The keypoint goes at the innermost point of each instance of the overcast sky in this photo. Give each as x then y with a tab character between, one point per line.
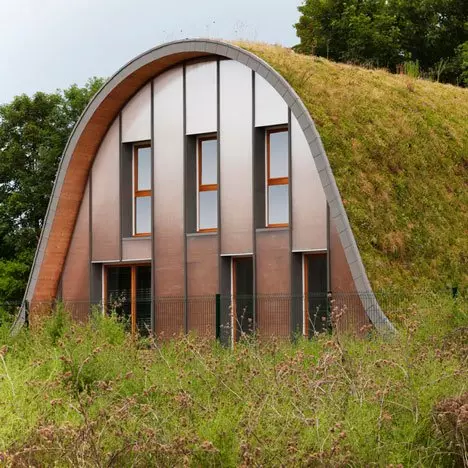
50	44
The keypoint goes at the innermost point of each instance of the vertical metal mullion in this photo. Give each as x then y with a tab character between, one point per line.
254	224
234	300
153	239
328	249
120	186
290	222
90	234
104	287
218	118
328	262
305	282
185	195
133	297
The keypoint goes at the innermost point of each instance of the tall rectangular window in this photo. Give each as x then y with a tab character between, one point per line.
315	293
207	193
242	296
277	177
128	293
142	190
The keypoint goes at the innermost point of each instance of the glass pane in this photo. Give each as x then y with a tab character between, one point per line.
144	169
278	209
143	215
244	295
143	299
317	292
278	154
208	210
209	164
119	291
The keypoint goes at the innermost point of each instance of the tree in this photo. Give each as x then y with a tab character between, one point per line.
352	31
386	33
33	134
462	57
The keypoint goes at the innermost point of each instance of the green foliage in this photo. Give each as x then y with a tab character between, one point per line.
33	134
55	326
462	54
6	320
360	32
412	69
13	277
387	33
399	155
75	99
88	395
459	312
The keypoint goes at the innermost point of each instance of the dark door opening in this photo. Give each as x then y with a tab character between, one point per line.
242	284
315	293
128	293
119	291
143	299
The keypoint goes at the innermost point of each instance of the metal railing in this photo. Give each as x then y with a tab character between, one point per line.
231	318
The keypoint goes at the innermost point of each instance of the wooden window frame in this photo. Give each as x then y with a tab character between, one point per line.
133	288
269	181
138	193
204	187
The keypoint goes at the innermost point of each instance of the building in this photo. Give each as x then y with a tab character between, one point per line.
196	171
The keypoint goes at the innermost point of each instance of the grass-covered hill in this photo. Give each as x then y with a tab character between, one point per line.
398	147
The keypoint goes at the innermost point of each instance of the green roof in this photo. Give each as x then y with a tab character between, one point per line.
398	147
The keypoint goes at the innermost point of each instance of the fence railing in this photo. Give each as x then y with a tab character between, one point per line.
230	318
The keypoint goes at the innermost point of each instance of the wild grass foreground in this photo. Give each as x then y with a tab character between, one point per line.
91	395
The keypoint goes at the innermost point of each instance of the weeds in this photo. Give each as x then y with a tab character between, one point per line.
411	69
92	395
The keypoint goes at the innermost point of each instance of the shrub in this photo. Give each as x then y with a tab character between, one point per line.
54	326
451	421
411	68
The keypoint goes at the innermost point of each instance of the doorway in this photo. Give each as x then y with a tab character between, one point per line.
242	296
127	292
315	294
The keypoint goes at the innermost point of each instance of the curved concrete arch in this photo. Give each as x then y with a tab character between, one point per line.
105	106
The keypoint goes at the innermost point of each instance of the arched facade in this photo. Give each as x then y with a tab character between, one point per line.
195	171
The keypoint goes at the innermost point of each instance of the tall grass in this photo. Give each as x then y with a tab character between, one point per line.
411	68
91	395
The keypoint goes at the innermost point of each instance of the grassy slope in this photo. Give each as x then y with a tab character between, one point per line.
91	396
399	152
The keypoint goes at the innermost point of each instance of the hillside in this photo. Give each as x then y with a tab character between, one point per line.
399	150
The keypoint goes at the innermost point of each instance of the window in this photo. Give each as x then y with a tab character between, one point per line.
315	294
277	177
128	293
142	190
242	296
207	193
